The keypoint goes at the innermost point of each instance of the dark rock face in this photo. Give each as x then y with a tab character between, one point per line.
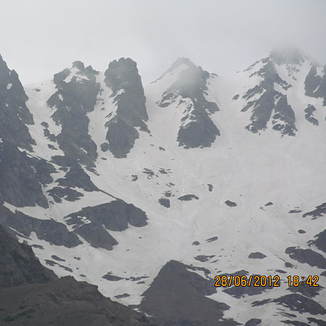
320	241
318	322
317	212
212	239
164	202
53	263
253	322
57	258
72	101
31	295
307	256
123	295
49	230
18	265
14	114
307	291
123	78
196	129
188	197
294	322
294	211
315	84
280	271
204	258
240	292
309	114
114	216
261	302
96	236
64	302
178	297
22	177
150	173
256	255
230	203
110	277
77	177
297	302
59	193
271	105
288	265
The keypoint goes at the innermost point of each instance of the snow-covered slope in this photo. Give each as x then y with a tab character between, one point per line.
170	184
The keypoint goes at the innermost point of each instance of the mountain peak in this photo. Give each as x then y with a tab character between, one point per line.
287	56
13	110
124	60
181	62
123	78
123	73
78	65
179	65
81	68
184	61
2	62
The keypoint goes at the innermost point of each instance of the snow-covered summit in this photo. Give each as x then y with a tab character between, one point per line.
145	189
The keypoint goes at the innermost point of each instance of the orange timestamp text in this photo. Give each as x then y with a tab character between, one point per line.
265	280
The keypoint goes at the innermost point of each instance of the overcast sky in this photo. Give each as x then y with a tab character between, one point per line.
41	37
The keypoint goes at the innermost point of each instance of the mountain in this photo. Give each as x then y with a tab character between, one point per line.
19	264
277	79
150	191
15	116
33	295
188	90
128	95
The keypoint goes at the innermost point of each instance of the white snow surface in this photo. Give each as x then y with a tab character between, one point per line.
249	169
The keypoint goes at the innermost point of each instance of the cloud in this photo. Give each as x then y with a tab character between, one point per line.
42	37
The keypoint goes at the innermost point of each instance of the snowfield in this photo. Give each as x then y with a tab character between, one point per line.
272	180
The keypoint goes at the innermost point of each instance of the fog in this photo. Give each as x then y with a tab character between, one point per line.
41	37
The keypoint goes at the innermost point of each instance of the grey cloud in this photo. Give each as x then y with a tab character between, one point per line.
41	37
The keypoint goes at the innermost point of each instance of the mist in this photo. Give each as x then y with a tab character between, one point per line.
42	37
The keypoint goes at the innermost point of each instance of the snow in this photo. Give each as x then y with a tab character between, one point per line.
12	208
246	168
170	77
249	169
99	116
37	104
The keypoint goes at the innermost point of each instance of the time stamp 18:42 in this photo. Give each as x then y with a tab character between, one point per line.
265	280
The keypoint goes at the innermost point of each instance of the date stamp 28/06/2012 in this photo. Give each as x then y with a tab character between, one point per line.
265	280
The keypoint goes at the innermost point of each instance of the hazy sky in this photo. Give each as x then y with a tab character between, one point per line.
41	37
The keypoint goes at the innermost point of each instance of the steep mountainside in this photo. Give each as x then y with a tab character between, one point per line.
150	191
32	295
276	79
